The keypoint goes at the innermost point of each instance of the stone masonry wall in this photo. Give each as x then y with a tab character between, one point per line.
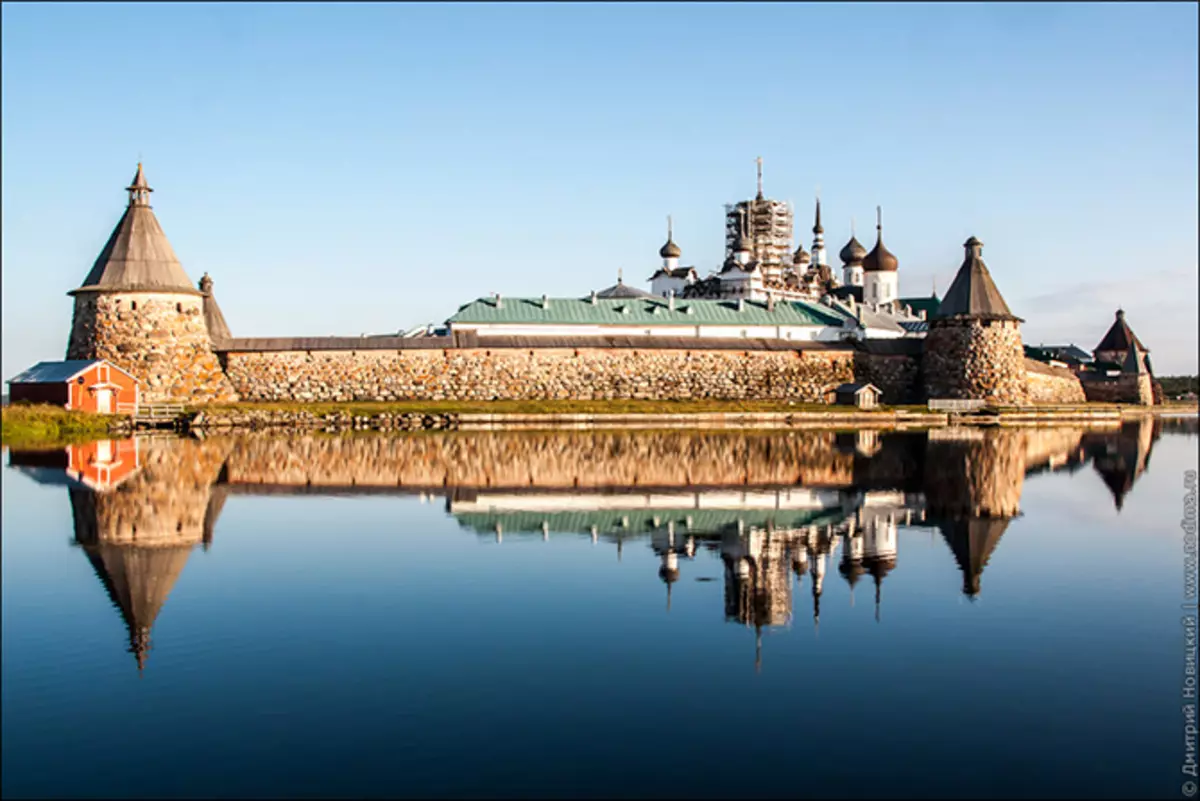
544	373
975	359
1052	384
899	377
159	338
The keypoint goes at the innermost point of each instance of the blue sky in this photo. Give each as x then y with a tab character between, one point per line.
347	169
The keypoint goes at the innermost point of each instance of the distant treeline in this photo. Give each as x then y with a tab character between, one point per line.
1175	385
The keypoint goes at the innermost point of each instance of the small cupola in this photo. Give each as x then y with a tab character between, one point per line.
670	250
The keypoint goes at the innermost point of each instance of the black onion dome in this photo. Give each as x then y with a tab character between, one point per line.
853	252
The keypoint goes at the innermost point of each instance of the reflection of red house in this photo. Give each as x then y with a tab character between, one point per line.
103	464
88	385
98	466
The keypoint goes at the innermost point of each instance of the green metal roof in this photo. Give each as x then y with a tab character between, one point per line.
704	521
643	311
929	305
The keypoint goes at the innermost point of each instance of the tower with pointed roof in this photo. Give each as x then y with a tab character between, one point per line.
818	246
138	309
1117	342
973	350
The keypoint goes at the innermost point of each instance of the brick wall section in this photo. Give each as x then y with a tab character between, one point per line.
1052	384
518	374
1125	388
163	342
975	359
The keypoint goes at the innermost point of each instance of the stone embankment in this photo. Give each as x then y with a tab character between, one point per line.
257	419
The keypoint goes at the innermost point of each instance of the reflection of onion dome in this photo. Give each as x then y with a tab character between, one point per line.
800	256
853	252
670	250
851	570
668	574
878	566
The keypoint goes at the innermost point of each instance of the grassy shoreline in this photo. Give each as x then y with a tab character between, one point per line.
43	427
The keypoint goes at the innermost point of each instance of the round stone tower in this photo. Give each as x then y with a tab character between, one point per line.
137	309
973	350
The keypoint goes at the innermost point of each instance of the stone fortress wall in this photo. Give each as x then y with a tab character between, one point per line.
1048	384
599	373
594	373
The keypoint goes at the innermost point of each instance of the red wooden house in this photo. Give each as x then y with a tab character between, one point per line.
87	385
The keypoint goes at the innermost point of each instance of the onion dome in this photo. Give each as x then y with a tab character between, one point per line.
670	250
800	256
853	252
880	259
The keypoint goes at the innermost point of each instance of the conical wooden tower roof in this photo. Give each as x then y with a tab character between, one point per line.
137	255
974	293
1120	336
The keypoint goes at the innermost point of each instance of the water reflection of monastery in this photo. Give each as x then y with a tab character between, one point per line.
785	512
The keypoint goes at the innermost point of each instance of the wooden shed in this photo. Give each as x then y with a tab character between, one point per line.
87	385
864	396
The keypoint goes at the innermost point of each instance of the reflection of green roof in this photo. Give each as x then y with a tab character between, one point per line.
704	521
643	311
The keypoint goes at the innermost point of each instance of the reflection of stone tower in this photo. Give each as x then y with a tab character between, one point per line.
138	537
1121	459
137	309
972	490
973	349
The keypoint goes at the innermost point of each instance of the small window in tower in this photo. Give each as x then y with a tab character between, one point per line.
179	308
133	306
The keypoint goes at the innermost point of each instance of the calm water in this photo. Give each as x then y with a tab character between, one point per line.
587	614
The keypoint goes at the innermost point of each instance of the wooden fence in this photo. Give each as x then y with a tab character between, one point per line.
956	405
